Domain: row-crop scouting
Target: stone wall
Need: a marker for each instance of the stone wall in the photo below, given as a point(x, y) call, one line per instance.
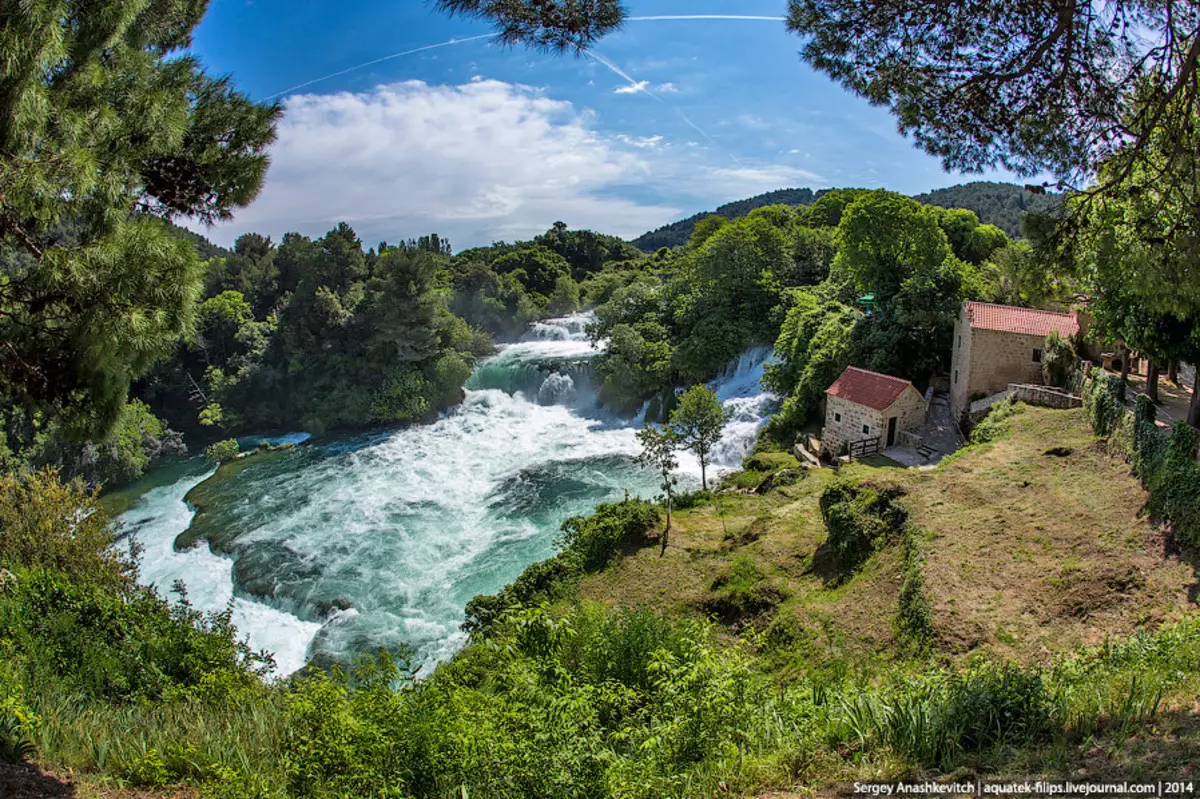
point(998, 359)
point(909, 410)
point(1044, 396)
point(960, 365)
point(849, 427)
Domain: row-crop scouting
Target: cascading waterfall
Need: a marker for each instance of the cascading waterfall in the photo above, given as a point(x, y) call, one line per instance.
point(380, 540)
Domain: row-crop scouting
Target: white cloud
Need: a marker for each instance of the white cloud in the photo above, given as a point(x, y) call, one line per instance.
point(667, 88)
point(476, 162)
point(480, 162)
point(633, 88)
point(640, 142)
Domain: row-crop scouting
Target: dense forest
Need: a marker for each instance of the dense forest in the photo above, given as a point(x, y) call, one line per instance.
point(678, 233)
point(1001, 204)
point(1004, 205)
point(1026, 608)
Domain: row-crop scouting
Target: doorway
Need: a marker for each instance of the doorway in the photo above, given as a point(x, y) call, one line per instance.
point(891, 436)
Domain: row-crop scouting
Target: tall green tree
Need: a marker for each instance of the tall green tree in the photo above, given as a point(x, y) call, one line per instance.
point(658, 453)
point(698, 421)
point(103, 114)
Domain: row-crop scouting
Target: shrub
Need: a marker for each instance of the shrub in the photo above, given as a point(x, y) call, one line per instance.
point(997, 424)
point(49, 524)
point(1103, 401)
point(914, 619)
point(222, 451)
point(859, 519)
point(1058, 358)
point(119, 644)
point(588, 544)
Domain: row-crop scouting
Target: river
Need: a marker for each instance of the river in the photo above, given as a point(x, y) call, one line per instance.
point(344, 545)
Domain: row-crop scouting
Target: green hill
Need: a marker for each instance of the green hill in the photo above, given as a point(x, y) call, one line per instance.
point(1001, 204)
point(677, 233)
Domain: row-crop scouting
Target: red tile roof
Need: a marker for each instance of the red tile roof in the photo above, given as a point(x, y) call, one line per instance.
point(1027, 321)
point(868, 388)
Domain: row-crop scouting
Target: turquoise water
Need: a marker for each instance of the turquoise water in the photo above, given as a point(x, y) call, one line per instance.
point(380, 540)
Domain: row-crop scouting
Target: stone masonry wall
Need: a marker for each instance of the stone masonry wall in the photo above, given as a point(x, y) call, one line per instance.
point(909, 408)
point(850, 428)
point(960, 365)
point(998, 359)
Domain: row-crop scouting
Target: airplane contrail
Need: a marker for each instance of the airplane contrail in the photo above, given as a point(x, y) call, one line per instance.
point(640, 86)
point(415, 50)
point(662, 17)
point(380, 60)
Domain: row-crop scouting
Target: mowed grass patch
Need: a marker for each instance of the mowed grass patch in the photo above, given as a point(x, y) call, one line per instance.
point(1039, 544)
point(752, 563)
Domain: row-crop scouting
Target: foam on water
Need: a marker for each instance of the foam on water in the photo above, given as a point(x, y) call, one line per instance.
point(155, 519)
point(406, 527)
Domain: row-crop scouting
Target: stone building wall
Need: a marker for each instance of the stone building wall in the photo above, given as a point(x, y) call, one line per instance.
point(839, 432)
point(909, 410)
point(999, 358)
point(960, 365)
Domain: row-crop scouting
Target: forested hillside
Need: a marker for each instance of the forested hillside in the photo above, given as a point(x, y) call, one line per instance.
point(678, 233)
point(1001, 204)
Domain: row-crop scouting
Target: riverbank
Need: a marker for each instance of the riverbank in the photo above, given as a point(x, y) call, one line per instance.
point(816, 669)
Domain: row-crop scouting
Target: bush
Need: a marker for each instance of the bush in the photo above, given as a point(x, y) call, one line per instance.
point(48, 524)
point(222, 451)
point(859, 519)
point(1058, 359)
point(914, 619)
point(119, 644)
point(588, 544)
point(996, 425)
point(1103, 401)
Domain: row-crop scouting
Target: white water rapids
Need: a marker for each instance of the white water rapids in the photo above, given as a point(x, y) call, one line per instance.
point(375, 540)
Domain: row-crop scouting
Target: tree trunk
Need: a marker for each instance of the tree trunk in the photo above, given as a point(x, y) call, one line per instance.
point(703, 474)
point(1173, 372)
point(663, 549)
point(1152, 381)
point(1194, 408)
point(1125, 356)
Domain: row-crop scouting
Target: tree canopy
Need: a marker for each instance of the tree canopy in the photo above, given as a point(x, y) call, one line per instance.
point(105, 119)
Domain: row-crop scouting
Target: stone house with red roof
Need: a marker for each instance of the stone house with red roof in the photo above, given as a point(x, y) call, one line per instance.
point(995, 345)
point(863, 405)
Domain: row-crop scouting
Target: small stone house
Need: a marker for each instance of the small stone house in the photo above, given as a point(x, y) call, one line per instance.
point(863, 405)
point(995, 345)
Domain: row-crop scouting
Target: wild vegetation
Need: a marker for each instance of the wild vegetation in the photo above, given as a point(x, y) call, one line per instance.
point(1012, 612)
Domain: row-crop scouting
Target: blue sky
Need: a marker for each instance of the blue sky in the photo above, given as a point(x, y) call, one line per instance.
point(483, 143)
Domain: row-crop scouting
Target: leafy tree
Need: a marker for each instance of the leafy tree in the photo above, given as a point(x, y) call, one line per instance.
point(222, 451)
point(1058, 358)
point(698, 421)
point(658, 453)
point(537, 268)
point(565, 297)
point(219, 320)
point(102, 113)
point(884, 238)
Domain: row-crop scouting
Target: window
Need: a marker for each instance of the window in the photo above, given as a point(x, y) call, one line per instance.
point(837, 417)
point(956, 377)
point(867, 429)
point(960, 342)
point(1037, 356)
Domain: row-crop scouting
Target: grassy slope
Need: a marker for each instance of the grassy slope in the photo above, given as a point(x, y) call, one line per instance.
point(1027, 555)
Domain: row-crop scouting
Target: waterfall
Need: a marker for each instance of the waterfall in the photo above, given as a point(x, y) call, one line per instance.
point(380, 539)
